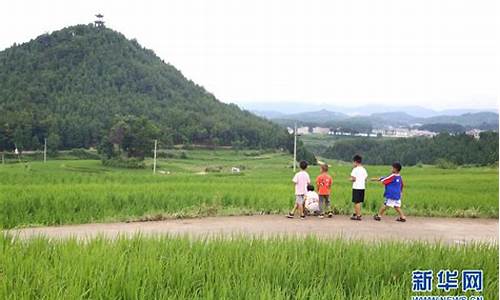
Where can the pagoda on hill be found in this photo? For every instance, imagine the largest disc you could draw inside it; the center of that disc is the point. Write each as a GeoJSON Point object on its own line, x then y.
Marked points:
{"type": "Point", "coordinates": [99, 22]}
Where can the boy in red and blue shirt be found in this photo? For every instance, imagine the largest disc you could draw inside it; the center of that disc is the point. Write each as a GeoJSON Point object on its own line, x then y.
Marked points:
{"type": "Point", "coordinates": [392, 194]}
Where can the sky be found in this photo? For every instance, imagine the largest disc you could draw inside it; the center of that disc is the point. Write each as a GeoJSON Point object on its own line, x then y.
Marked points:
{"type": "Point", "coordinates": [439, 54]}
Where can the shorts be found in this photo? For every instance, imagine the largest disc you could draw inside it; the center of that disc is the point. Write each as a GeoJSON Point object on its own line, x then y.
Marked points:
{"type": "Point", "coordinates": [358, 196]}
{"type": "Point", "coordinates": [299, 199]}
{"type": "Point", "coordinates": [392, 202]}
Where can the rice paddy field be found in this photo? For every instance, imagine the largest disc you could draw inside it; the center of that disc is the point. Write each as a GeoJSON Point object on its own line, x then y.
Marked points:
{"type": "Point", "coordinates": [200, 183]}
{"type": "Point", "coordinates": [237, 268]}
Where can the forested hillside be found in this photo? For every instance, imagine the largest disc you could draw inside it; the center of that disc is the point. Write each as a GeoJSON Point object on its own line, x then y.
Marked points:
{"type": "Point", "coordinates": [73, 85]}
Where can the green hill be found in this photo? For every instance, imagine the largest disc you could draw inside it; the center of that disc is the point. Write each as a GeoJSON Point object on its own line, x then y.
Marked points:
{"type": "Point", "coordinates": [71, 86]}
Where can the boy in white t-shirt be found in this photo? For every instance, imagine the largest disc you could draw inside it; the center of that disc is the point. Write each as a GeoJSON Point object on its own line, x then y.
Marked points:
{"type": "Point", "coordinates": [358, 178]}
{"type": "Point", "coordinates": [311, 201]}
{"type": "Point", "coordinates": [300, 180]}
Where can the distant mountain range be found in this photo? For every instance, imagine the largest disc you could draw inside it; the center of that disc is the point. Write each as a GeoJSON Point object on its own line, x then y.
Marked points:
{"type": "Point", "coordinates": [481, 120]}
{"type": "Point", "coordinates": [278, 110]}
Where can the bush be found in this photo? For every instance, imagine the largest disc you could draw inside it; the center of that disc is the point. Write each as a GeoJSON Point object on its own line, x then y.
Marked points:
{"type": "Point", "coordinates": [252, 153]}
{"type": "Point", "coordinates": [83, 154]}
{"type": "Point", "coordinates": [445, 164]}
{"type": "Point", "coordinates": [165, 155]}
{"type": "Point", "coordinates": [128, 163]}
{"type": "Point", "coordinates": [213, 169]}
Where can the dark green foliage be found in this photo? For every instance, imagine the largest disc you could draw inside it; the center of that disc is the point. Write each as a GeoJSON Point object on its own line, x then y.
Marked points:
{"type": "Point", "coordinates": [82, 154]}
{"type": "Point", "coordinates": [455, 149]}
{"type": "Point", "coordinates": [132, 137]}
{"type": "Point", "coordinates": [445, 164]}
{"type": "Point", "coordinates": [443, 127]}
{"type": "Point", "coordinates": [304, 154]}
{"type": "Point", "coordinates": [69, 86]}
{"type": "Point", "coordinates": [128, 163]}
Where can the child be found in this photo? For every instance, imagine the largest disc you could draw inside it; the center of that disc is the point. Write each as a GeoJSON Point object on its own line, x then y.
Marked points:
{"type": "Point", "coordinates": [324, 184]}
{"type": "Point", "coordinates": [301, 180]}
{"type": "Point", "coordinates": [311, 202]}
{"type": "Point", "coordinates": [358, 178]}
{"type": "Point", "coordinates": [392, 194]}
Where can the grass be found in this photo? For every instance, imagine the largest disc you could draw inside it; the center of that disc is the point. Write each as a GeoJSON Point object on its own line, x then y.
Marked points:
{"type": "Point", "coordinates": [82, 191]}
{"type": "Point", "coordinates": [237, 268]}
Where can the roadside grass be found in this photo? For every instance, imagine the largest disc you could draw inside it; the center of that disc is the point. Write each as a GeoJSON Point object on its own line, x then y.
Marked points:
{"type": "Point", "coordinates": [83, 191]}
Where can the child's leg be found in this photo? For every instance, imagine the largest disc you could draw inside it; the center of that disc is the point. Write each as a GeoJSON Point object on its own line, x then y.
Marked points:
{"type": "Point", "coordinates": [301, 209]}
{"type": "Point", "coordinates": [328, 208]}
{"type": "Point", "coordinates": [357, 209]}
{"type": "Point", "coordinates": [382, 210]}
{"type": "Point", "coordinates": [400, 212]}
{"type": "Point", "coordinates": [321, 204]}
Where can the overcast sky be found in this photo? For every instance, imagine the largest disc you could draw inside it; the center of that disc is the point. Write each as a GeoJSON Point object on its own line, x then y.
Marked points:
{"type": "Point", "coordinates": [432, 53]}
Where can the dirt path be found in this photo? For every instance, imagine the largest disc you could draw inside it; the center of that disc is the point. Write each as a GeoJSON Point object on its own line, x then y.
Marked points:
{"type": "Point", "coordinates": [447, 230]}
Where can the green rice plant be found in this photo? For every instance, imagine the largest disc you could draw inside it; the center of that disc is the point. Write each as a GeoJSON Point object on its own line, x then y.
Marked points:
{"type": "Point", "coordinates": [82, 191]}
{"type": "Point", "coordinates": [236, 268]}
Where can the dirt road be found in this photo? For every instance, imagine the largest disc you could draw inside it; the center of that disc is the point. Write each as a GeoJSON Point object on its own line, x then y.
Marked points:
{"type": "Point", "coordinates": [446, 230]}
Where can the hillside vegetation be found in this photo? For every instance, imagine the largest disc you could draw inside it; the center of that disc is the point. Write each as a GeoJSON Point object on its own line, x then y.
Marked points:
{"type": "Point", "coordinates": [72, 85]}
{"type": "Point", "coordinates": [460, 149]}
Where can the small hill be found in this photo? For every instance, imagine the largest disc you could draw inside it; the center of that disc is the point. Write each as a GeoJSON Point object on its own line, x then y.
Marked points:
{"type": "Point", "coordinates": [72, 84]}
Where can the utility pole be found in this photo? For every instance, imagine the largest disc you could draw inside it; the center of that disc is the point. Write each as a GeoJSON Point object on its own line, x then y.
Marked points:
{"type": "Point", "coordinates": [45, 150]}
{"type": "Point", "coordinates": [294, 147]}
{"type": "Point", "coordinates": [154, 159]}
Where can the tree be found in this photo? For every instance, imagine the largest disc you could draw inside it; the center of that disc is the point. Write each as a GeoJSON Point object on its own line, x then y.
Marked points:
{"type": "Point", "coordinates": [53, 142]}
{"type": "Point", "coordinates": [134, 135]}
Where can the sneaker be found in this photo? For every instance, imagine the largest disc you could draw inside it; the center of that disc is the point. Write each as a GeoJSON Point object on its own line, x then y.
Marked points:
{"type": "Point", "coordinates": [377, 218]}
{"type": "Point", "coordinates": [321, 216]}
{"type": "Point", "coordinates": [401, 220]}
{"type": "Point", "coordinates": [330, 215]}
{"type": "Point", "coordinates": [302, 217]}
{"type": "Point", "coordinates": [290, 215]}
{"type": "Point", "coordinates": [356, 218]}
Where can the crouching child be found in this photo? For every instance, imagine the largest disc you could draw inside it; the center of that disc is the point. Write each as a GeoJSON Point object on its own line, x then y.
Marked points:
{"type": "Point", "coordinates": [392, 193]}
{"type": "Point", "coordinates": [311, 201]}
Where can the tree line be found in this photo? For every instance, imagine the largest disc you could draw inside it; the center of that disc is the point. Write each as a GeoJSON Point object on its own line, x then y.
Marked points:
{"type": "Point", "coordinates": [460, 149]}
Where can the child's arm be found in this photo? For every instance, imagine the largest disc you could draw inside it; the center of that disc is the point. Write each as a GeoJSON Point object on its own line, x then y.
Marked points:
{"type": "Point", "coordinates": [387, 180]}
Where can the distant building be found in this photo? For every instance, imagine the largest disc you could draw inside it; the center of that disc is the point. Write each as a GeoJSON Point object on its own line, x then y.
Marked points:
{"type": "Point", "coordinates": [321, 130]}
{"type": "Point", "coordinates": [402, 132]}
{"type": "Point", "coordinates": [426, 133]}
{"type": "Point", "coordinates": [474, 132]}
{"type": "Point", "coordinates": [303, 130]}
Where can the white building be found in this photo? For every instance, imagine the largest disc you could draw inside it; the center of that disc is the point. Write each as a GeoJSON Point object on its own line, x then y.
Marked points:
{"type": "Point", "coordinates": [321, 130]}
{"type": "Point", "coordinates": [474, 132]}
{"type": "Point", "coordinates": [303, 130]}
{"type": "Point", "coordinates": [402, 132]}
